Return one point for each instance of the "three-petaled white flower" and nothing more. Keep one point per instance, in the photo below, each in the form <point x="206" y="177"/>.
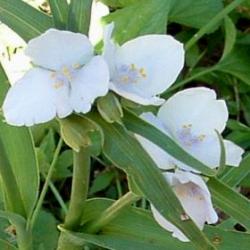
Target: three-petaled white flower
<point x="144" y="67"/>
<point x="191" y="117"/>
<point x="195" y="199"/>
<point x="67" y="77"/>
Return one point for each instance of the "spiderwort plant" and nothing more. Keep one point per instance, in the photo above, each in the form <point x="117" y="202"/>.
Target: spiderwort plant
<point x="67" y="77"/>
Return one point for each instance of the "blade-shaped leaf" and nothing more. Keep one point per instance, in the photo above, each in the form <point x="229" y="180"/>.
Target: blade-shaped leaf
<point x="136" y="229"/>
<point x="194" y="13"/>
<point x="18" y="145"/>
<point x="5" y="245"/>
<point x="60" y="10"/>
<point x="151" y="17"/>
<point x="79" y="15"/>
<point x="234" y="176"/>
<point x="3" y="85"/>
<point x="231" y="202"/>
<point x="125" y="152"/>
<point x="25" y="20"/>
<point x="139" y="126"/>
<point x="237" y="63"/>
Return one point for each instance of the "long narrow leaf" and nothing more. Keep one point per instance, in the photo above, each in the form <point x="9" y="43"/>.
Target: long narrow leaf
<point x="60" y="11"/>
<point x="18" y="146"/>
<point x="79" y="15"/>
<point x="136" y="229"/>
<point x="139" y="126"/>
<point x="235" y="175"/>
<point x="25" y="20"/>
<point x="125" y="152"/>
<point x="230" y="201"/>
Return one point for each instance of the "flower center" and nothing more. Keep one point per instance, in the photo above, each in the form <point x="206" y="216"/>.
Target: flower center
<point x="130" y="74"/>
<point x="186" y="137"/>
<point x="64" y="76"/>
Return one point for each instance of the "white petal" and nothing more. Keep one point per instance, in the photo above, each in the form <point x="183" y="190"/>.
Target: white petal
<point x="90" y="82"/>
<point x="194" y="197"/>
<point x="98" y="10"/>
<point x="233" y="153"/>
<point x="110" y="48"/>
<point x="161" y="58"/>
<point x="160" y="157"/>
<point x="33" y="99"/>
<point x="207" y="151"/>
<point x="168" y="225"/>
<point x="196" y="106"/>
<point x="55" y="49"/>
<point x="136" y="97"/>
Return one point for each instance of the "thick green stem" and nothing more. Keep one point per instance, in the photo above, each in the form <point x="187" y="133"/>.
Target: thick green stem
<point x="206" y="28"/>
<point x="79" y="192"/>
<point x="112" y="212"/>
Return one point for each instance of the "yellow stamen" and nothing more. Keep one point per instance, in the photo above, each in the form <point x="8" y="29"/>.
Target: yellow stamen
<point x="58" y="85"/>
<point x="143" y="72"/>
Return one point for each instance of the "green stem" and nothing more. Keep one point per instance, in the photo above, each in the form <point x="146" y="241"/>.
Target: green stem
<point x="35" y="214"/>
<point x="189" y="79"/>
<point x="112" y="212"/>
<point x="79" y="192"/>
<point x="58" y="197"/>
<point x="206" y="28"/>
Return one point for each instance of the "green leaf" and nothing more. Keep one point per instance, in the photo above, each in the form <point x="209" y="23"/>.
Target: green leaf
<point x="125" y="152"/>
<point x="48" y="145"/>
<point x="24" y="239"/>
<point x="20" y="152"/>
<point x="194" y="13"/>
<point x="151" y="17"/>
<point x="4" y="85"/>
<point x="5" y="245"/>
<point x="110" y="108"/>
<point x="45" y="231"/>
<point x="136" y="229"/>
<point x="60" y="11"/>
<point x="118" y="3"/>
<point x="79" y="16"/>
<point x="79" y="131"/>
<point x="139" y="126"/>
<point x="64" y="162"/>
<point x="234" y="176"/>
<point x="229" y="201"/>
<point x="25" y="20"/>
<point x="101" y="181"/>
<point x="222" y="163"/>
<point x="230" y="36"/>
<point x="237" y="63"/>
<point x="18" y="145"/>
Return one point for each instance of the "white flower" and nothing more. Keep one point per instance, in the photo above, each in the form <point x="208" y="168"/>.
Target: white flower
<point x="195" y="199"/>
<point x="67" y="77"/>
<point x="190" y="117"/>
<point x="144" y="67"/>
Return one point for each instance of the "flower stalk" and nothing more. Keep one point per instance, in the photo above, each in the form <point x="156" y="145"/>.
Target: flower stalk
<point x="79" y="192"/>
<point x="112" y="212"/>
